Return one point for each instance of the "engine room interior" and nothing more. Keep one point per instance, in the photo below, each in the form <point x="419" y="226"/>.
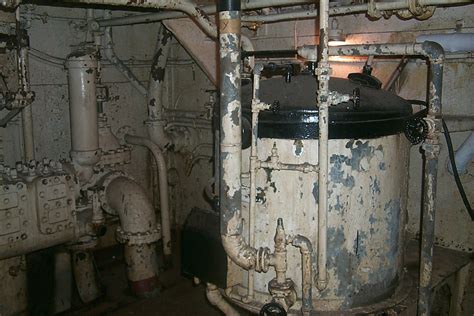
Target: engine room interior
<point x="236" y="157"/>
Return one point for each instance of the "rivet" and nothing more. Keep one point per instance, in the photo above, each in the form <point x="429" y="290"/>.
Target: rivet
<point x="49" y="231"/>
<point x="19" y="186"/>
<point x="44" y="220"/>
<point x="58" y="214"/>
<point x="45" y="181"/>
<point x="60" y="228"/>
<point x="46" y="206"/>
<point x="56" y="180"/>
<point x="24" y="236"/>
<point x="58" y="204"/>
<point x="8" y="214"/>
<point x="41" y="194"/>
<point x="23" y="197"/>
<point x="6" y="201"/>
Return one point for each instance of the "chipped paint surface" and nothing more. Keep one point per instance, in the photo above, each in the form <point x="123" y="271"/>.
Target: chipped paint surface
<point x="365" y="220"/>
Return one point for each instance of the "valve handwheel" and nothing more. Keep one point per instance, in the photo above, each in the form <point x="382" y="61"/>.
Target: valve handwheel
<point x="272" y="309"/>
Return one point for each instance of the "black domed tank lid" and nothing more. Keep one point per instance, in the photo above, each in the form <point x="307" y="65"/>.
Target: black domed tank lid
<point x="294" y="114"/>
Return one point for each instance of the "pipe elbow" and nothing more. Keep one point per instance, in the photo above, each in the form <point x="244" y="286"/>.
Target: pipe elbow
<point x="303" y="243"/>
<point x="433" y="50"/>
<point x="239" y="251"/>
<point x="136" y="213"/>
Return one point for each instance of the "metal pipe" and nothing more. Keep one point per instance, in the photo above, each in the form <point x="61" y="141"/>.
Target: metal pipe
<point x="208" y="9"/>
<point x="155" y="123"/>
<point x="306" y="249"/>
<point x="24" y="86"/>
<point x="395" y="74"/>
<point x="85" y="275"/>
<point x="231" y="139"/>
<point x="253" y="170"/>
<point x="82" y="72"/>
<point x="216" y="299"/>
<point x="390" y="6"/>
<point x="163" y="187"/>
<point x="323" y="103"/>
<point x="342" y="10"/>
<point x="138" y="231"/>
<point x="306" y="14"/>
<point x="110" y="54"/>
<point x="186" y="6"/>
<point x="435" y="54"/>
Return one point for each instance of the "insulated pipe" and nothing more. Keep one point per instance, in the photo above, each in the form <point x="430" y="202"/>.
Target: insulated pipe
<point x="111" y="56"/>
<point x="306" y="14"/>
<point x="82" y="72"/>
<point x="208" y="9"/>
<point x="435" y="54"/>
<point x="155" y="123"/>
<point x="306" y="250"/>
<point x="215" y="298"/>
<point x="186" y="6"/>
<point x="323" y="103"/>
<point x="138" y="231"/>
<point x="231" y="139"/>
<point x="163" y="186"/>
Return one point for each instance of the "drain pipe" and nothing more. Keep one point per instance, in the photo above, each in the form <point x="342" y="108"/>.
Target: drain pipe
<point x="163" y="186"/>
<point x="82" y="73"/>
<point x="155" y="123"/>
<point x="138" y="231"/>
<point x="323" y="103"/>
<point x="435" y="54"/>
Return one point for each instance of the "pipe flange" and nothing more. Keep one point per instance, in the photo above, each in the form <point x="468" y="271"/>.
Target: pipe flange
<point x="262" y="259"/>
<point x="84" y="243"/>
<point x="140" y="238"/>
<point x="372" y="10"/>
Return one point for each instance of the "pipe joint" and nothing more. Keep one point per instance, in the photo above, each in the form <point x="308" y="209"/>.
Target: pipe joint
<point x="433" y="51"/>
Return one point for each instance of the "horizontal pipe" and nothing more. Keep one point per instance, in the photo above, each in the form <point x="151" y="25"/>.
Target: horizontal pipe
<point x="211" y="9"/>
<point x="185" y="6"/>
<point x="208" y="9"/>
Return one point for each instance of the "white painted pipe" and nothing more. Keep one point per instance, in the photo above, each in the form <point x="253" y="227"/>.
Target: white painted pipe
<point x="24" y="85"/>
<point x="138" y="231"/>
<point x="453" y="42"/>
<point x="323" y="150"/>
<point x="463" y="155"/>
<point x="163" y="186"/>
<point x="215" y="298"/>
<point x="82" y="71"/>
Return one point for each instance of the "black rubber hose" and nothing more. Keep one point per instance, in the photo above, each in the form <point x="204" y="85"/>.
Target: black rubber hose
<point x="455" y="171"/>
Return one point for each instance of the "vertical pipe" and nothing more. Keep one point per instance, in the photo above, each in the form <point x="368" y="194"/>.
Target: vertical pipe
<point x="24" y="85"/>
<point x="155" y="123"/>
<point x="62" y="281"/>
<point x="323" y="105"/>
<point x="85" y="275"/>
<point x="82" y="70"/>
<point x="163" y="187"/>
<point x="431" y="152"/>
<point x="231" y="139"/>
<point x="253" y="171"/>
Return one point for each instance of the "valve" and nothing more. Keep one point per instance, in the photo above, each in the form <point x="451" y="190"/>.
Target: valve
<point x="272" y="309"/>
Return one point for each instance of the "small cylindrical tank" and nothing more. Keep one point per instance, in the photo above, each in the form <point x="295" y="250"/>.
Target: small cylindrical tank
<point x="368" y="157"/>
<point x="82" y="72"/>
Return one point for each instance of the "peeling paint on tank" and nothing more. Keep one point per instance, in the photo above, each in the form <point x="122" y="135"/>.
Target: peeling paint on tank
<point x="337" y="174"/>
